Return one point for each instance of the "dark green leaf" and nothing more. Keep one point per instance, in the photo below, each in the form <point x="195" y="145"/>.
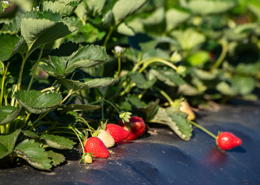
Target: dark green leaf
<point x="170" y="78"/>
<point x="38" y="102"/>
<point x="57" y="142"/>
<point x="150" y="110"/>
<point x="56" y="158"/>
<point x="7" y="143"/>
<point x="141" y="82"/>
<point x="9" y="113"/>
<point x="30" y="151"/>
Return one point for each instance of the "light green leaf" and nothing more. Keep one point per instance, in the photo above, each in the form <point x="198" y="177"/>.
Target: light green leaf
<point x="61" y="7"/>
<point x="57" y="142"/>
<point x="7" y="143"/>
<point x="189" y="38"/>
<point x="95" y="6"/>
<point x="198" y="59"/>
<point x="204" y="75"/>
<point x="140" y="80"/>
<point x="30" y="134"/>
<point x="240" y="32"/>
<point x="30" y="151"/>
<point x="125" y="8"/>
<point x="108" y="20"/>
<point x="9" y="113"/>
<point x="10" y="45"/>
<point x="89" y="83"/>
<point x="225" y="89"/>
<point x="242" y="84"/>
<point x="38" y="102"/>
<point x="56" y="158"/>
<point x="125" y="30"/>
<point x="156" y="53"/>
<point x="170" y="78"/>
<point x="174" y="17"/>
<point x="155" y="18"/>
<point x="205" y="7"/>
<point x="75" y="107"/>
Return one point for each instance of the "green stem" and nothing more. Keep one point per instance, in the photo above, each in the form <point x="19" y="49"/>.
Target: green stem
<point x="111" y="29"/>
<point x="84" y="121"/>
<point x="7" y="128"/>
<point x="221" y="57"/>
<point x="26" y="119"/>
<point x="141" y="95"/>
<point x="102" y="109"/>
<point x="78" y="139"/>
<point x="21" y="71"/>
<point x="3" y="84"/>
<point x="157" y="60"/>
<point x="112" y="105"/>
<point x="2" y="129"/>
<point x="165" y="95"/>
<point x="205" y="130"/>
<point x="35" y="68"/>
<point x="68" y="95"/>
<point x="119" y="67"/>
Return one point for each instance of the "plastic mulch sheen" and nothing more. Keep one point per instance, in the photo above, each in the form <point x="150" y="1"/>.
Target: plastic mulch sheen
<point x="162" y="158"/>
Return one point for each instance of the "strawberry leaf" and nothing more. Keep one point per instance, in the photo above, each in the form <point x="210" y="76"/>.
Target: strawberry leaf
<point x="56" y="158"/>
<point x="7" y="143"/>
<point x="30" y="151"/>
<point x="57" y="142"/>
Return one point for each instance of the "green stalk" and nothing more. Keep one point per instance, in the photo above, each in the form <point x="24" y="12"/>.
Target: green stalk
<point x="35" y="68"/>
<point x="68" y="95"/>
<point x="205" y="130"/>
<point x="102" y="108"/>
<point x="7" y="128"/>
<point x="221" y="57"/>
<point x="119" y="67"/>
<point x="112" y="105"/>
<point x="141" y="95"/>
<point x="165" y="95"/>
<point x="78" y="138"/>
<point x="157" y="60"/>
<point x="21" y="71"/>
<point x="2" y="129"/>
<point x="111" y="29"/>
<point x="3" y="83"/>
<point x="84" y="121"/>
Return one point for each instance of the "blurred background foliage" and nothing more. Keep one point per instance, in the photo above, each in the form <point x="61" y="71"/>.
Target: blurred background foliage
<point x="214" y="43"/>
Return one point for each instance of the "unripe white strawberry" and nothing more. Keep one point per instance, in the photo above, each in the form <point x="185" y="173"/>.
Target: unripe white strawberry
<point x="107" y="139"/>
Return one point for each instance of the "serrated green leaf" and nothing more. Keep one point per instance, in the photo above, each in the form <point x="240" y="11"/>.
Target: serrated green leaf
<point x="75" y="107"/>
<point x="10" y="45"/>
<point x="30" y="151"/>
<point x="30" y="134"/>
<point x="56" y="158"/>
<point x="38" y="32"/>
<point x="177" y="123"/>
<point x="61" y="7"/>
<point x="57" y="142"/>
<point x="135" y="101"/>
<point x="38" y="102"/>
<point x="9" y="113"/>
<point x="89" y="56"/>
<point x="125" y="8"/>
<point x="96" y="7"/>
<point x="7" y="143"/>
<point x="141" y="82"/>
<point x="150" y="110"/>
<point x="89" y="83"/>
<point x="174" y="17"/>
<point x="170" y="78"/>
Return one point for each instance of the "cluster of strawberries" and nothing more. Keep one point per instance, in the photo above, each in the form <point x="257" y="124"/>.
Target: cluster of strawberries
<point x="102" y="139"/>
<point x="97" y="145"/>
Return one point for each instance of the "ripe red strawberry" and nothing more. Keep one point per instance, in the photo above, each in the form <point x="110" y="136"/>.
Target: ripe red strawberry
<point x="227" y="141"/>
<point x="107" y="139"/>
<point x="118" y="133"/>
<point x="136" y="127"/>
<point x="95" y="146"/>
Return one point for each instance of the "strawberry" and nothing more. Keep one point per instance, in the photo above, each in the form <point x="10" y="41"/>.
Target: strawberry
<point x="107" y="139"/>
<point x="136" y="127"/>
<point x="118" y="133"/>
<point x="95" y="146"/>
<point x="227" y="141"/>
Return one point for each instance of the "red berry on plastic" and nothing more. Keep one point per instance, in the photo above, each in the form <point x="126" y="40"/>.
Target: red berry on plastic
<point x="96" y="147"/>
<point x="118" y="133"/>
<point x="227" y="141"/>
